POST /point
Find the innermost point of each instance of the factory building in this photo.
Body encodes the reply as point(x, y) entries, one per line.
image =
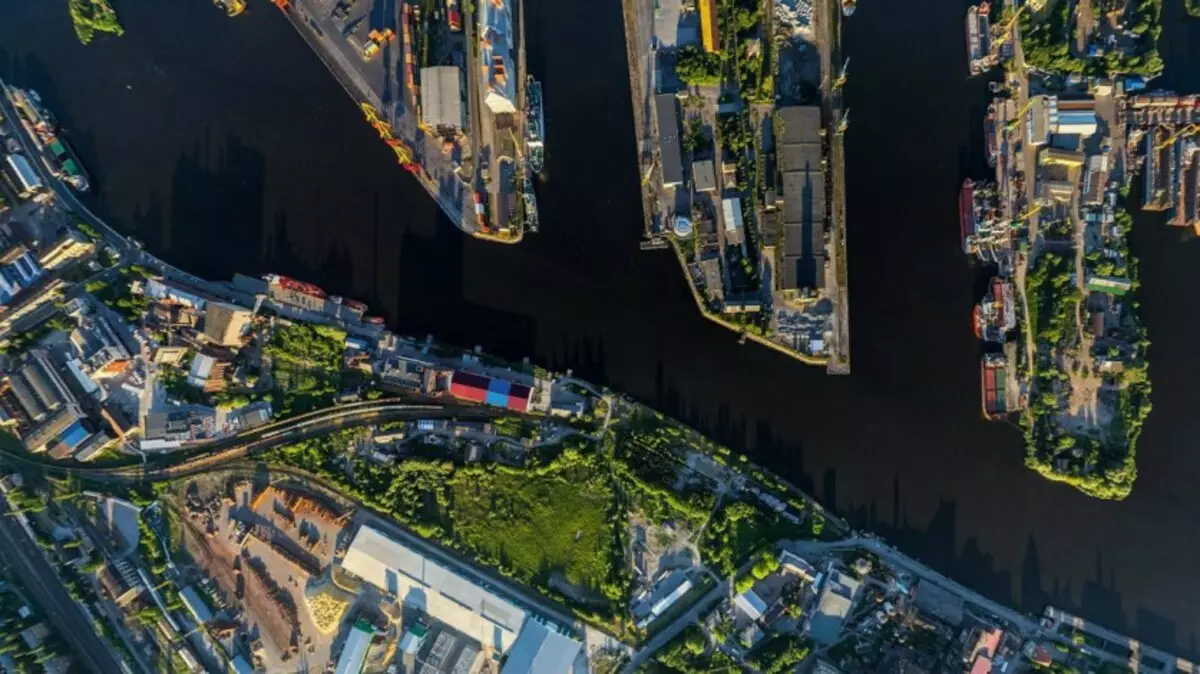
point(1040, 119)
point(354, 651)
point(225, 324)
point(39, 400)
point(539, 650)
point(1187, 209)
point(798, 138)
point(731, 213)
point(496, 392)
point(1080, 123)
point(495, 55)
point(433, 589)
point(27, 181)
point(442, 97)
point(71, 246)
point(1094, 180)
point(666, 108)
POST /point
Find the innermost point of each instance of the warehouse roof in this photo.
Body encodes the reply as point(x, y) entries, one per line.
point(667, 110)
point(541, 651)
point(448, 597)
point(354, 651)
point(441, 96)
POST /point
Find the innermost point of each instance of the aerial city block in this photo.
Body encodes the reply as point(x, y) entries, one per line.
point(258, 475)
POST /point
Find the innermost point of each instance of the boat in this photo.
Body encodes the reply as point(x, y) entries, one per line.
point(530, 199)
point(978, 26)
point(66, 165)
point(535, 129)
point(994, 316)
point(993, 368)
point(848, 7)
point(989, 135)
point(966, 215)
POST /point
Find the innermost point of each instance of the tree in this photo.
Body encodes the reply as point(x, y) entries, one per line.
point(695, 66)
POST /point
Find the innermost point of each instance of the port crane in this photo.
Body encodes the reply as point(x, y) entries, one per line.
point(1006, 31)
point(403, 155)
point(1016, 120)
point(1190, 128)
point(841, 79)
point(844, 122)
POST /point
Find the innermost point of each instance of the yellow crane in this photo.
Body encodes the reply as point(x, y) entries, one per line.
point(1190, 128)
point(841, 80)
point(1004, 33)
point(1016, 120)
point(1030, 211)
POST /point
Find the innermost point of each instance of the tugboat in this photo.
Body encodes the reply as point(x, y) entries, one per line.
point(531, 209)
point(535, 131)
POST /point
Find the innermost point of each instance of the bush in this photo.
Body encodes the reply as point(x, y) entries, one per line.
point(695, 66)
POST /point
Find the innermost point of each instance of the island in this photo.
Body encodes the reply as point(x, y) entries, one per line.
point(445, 86)
point(256, 475)
point(739, 119)
point(93, 16)
point(1064, 349)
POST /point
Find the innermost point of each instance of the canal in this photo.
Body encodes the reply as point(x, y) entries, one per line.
point(225, 146)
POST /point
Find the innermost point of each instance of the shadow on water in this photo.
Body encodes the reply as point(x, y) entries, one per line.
point(228, 148)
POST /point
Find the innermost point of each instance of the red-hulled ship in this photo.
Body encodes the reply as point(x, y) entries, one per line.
point(993, 369)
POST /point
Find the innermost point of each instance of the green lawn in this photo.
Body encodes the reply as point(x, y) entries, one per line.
point(533, 523)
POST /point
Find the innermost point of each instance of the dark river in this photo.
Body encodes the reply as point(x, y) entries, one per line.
point(226, 146)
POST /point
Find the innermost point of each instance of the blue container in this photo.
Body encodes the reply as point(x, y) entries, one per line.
point(497, 393)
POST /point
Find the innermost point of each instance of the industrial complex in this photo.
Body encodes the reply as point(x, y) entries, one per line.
point(743, 176)
point(446, 89)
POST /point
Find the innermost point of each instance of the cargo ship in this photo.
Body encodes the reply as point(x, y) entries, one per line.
point(535, 129)
point(65, 165)
point(978, 27)
point(994, 316)
point(848, 7)
point(989, 135)
point(966, 215)
point(978, 213)
point(994, 372)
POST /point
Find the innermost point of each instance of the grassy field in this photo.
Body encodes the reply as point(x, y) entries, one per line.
point(533, 523)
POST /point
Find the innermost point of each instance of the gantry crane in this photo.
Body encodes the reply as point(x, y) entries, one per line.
point(1004, 33)
point(841, 79)
point(1190, 128)
point(403, 155)
point(1016, 120)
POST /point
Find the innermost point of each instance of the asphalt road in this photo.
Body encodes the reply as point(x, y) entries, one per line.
point(40, 584)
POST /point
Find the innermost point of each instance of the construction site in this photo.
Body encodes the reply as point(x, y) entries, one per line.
point(444, 86)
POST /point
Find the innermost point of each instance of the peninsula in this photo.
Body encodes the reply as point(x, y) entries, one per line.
point(739, 119)
point(1064, 350)
point(255, 475)
point(444, 84)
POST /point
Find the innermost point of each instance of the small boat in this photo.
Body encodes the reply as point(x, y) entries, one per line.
point(848, 7)
point(535, 130)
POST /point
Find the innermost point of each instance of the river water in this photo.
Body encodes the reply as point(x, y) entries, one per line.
point(226, 146)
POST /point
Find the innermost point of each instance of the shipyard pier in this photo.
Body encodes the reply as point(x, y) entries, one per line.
point(444, 86)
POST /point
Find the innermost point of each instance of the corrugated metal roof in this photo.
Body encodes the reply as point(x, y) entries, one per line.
point(541, 651)
point(441, 96)
point(354, 652)
point(667, 109)
point(448, 597)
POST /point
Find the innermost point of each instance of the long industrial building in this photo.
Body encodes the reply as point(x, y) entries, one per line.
point(442, 97)
point(802, 169)
point(666, 108)
point(434, 589)
point(438, 592)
